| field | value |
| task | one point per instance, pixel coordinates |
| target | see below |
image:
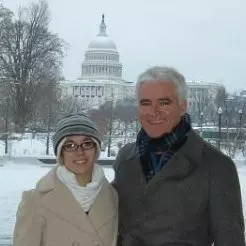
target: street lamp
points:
(219, 123)
(111, 123)
(201, 121)
(240, 113)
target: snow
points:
(27, 146)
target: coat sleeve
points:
(116, 165)
(225, 204)
(28, 226)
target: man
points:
(174, 188)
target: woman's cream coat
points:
(50, 216)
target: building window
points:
(93, 91)
(82, 90)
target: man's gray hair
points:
(164, 74)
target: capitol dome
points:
(101, 58)
(102, 40)
(102, 43)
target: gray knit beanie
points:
(75, 124)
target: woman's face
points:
(79, 154)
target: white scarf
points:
(84, 195)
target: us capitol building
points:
(101, 78)
(101, 74)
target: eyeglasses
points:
(71, 147)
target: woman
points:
(73, 205)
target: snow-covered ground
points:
(27, 146)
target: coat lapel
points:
(60, 201)
(184, 161)
(135, 169)
(104, 207)
(133, 174)
(181, 164)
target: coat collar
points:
(48, 182)
(58, 199)
(184, 161)
(192, 148)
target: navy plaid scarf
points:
(167, 144)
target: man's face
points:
(160, 109)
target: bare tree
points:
(46, 113)
(29, 56)
(126, 111)
(203, 103)
(105, 118)
(5, 116)
(221, 97)
(100, 118)
(70, 104)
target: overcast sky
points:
(203, 39)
